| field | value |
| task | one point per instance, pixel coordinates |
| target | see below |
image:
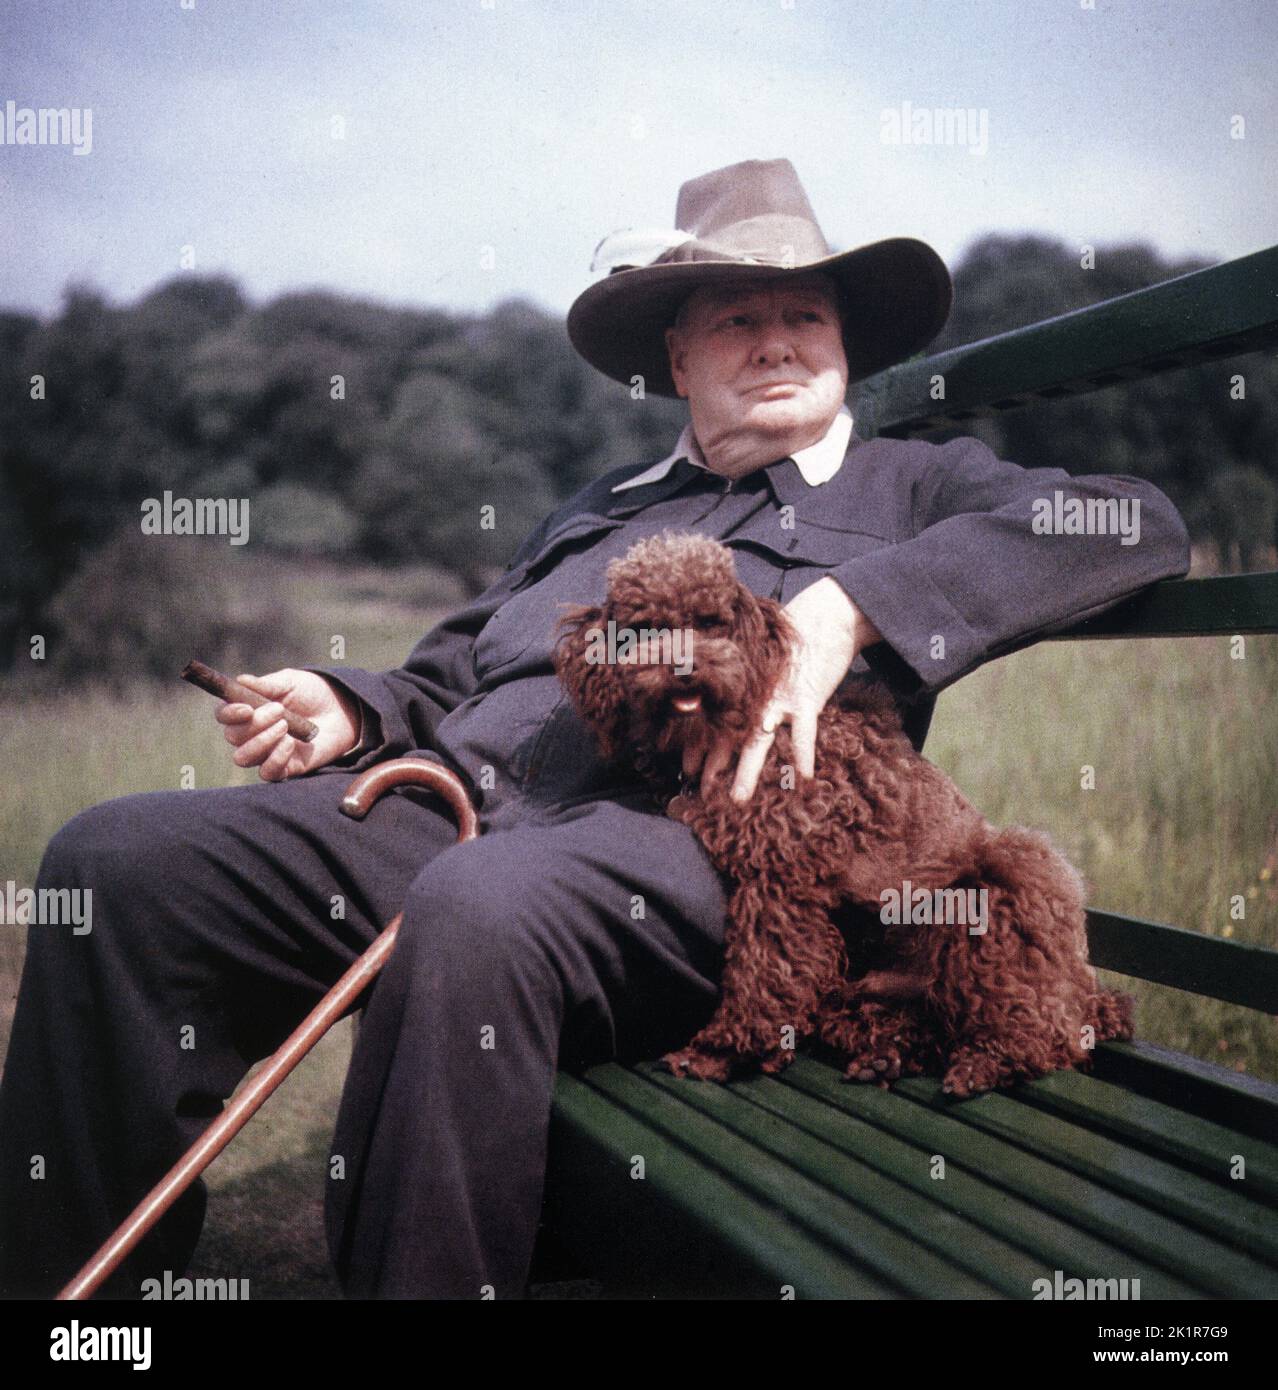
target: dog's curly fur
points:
(986, 1009)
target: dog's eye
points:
(704, 621)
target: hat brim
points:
(897, 295)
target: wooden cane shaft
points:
(360, 796)
(233, 1119)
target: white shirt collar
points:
(818, 463)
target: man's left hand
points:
(830, 633)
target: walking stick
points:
(360, 796)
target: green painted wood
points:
(682, 1228)
(819, 1206)
(1231, 1098)
(1002, 1236)
(1208, 315)
(1227, 606)
(844, 1187)
(1090, 1204)
(1233, 971)
(1187, 1140)
(1188, 1199)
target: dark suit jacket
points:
(933, 542)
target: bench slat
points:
(1224, 606)
(1186, 1197)
(850, 1227)
(1163, 1130)
(1233, 971)
(1014, 1224)
(1243, 1102)
(1207, 315)
(1083, 1201)
(684, 1227)
(849, 1183)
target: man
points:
(583, 924)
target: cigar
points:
(231, 690)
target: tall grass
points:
(1184, 816)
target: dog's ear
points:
(590, 681)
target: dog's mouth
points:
(686, 704)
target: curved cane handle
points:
(374, 783)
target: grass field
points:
(1184, 816)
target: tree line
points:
(361, 432)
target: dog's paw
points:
(705, 1066)
(776, 1061)
(883, 1066)
(971, 1075)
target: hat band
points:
(772, 239)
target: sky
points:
(487, 145)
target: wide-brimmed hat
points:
(752, 220)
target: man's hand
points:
(831, 632)
(260, 736)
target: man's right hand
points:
(261, 738)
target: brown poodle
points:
(987, 995)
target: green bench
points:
(803, 1185)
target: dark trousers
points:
(220, 917)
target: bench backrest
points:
(1209, 315)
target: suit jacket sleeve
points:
(976, 575)
(401, 709)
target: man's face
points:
(765, 358)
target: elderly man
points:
(583, 924)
